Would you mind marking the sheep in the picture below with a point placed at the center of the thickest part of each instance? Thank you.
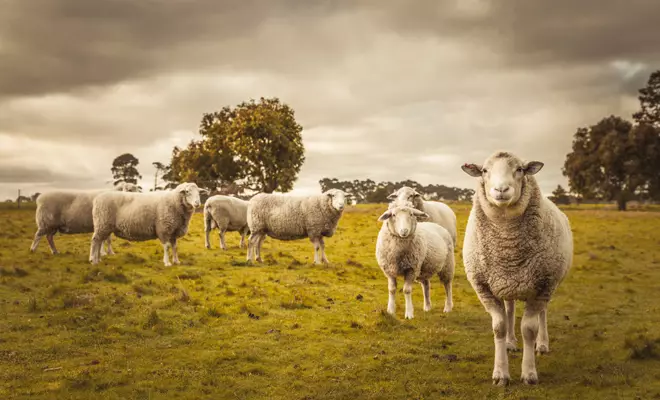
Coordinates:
(286, 217)
(410, 247)
(227, 214)
(155, 215)
(518, 246)
(69, 212)
(438, 212)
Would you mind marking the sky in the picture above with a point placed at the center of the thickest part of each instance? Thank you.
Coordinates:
(387, 90)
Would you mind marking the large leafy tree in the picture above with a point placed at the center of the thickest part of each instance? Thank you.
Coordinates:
(124, 169)
(608, 161)
(258, 144)
(649, 99)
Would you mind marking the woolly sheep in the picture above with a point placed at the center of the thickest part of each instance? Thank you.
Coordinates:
(438, 212)
(416, 251)
(518, 246)
(139, 217)
(286, 217)
(69, 212)
(228, 214)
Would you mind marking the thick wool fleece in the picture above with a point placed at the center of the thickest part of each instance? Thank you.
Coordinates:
(228, 214)
(292, 217)
(141, 216)
(517, 253)
(426, 252)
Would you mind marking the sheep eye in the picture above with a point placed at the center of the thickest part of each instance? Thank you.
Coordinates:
(484, 170)
(519, 169)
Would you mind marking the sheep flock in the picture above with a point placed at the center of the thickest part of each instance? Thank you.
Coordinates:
(518, 245)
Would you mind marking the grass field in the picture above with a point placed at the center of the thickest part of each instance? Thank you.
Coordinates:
(214, 327)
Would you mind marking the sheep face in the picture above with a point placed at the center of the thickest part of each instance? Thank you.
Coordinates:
(406, 195)
(337, 198)
(189, 194)
(502, 176)
(402, 220)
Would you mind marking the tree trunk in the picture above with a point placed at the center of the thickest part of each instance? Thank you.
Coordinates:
(621, 203)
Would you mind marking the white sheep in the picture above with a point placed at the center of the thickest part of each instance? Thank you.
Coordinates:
(228, 214)
(69, 212)
(287, 217)
(438, 212)
(518, 246)
(139, 217)
(416, 251)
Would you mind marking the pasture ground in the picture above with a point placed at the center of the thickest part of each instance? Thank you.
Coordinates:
(217, 328)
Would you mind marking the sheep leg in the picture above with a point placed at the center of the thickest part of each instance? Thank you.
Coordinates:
(407, 293)
(449, 301)
(426, 288)
(495, 307)
(51, 243)
(244, 233)
(543, 341)
(37, 239)
(207, 242)
(262, 239)
(530, 329)
(223, 245)
(391, 288)
(317, 249)
(175, 252)
(511, 340)
(95, 248)
(323, 256)
(109, 244)
(250, 247)
(446, 276)
(166, 258)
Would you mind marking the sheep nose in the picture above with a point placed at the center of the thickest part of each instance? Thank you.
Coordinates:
(404, 232)
(502, 189)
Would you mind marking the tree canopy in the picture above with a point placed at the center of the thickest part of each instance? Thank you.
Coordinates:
(610, 160)
(649, 99)
(257, 145)
(124, 169)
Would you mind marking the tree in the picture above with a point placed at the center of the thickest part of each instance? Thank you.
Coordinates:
(124, 169)
(560, 196)
(649, 99)
(607, 161)
(160, 169)
(258, 144)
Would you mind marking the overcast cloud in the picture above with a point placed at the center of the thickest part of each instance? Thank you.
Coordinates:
(386, 90)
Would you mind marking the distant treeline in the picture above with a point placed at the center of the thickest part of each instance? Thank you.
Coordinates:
(368, 191)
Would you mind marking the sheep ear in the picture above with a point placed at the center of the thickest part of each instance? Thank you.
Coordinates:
(392, 196)
(473, 170)
(420, 215)
(416, 194)
(385, 216)
(533, 167)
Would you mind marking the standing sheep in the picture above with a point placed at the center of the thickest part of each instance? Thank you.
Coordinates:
(69, 212)
(416, 251)
(518, 246)
(438, 212)
(228, 214)
(156, 215)
(286, 217)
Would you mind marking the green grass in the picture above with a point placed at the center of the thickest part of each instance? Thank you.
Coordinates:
(215, 327)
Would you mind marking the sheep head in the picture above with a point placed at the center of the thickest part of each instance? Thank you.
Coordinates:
(337, 198)
(502, 177)
(189, 193)
(402, 220)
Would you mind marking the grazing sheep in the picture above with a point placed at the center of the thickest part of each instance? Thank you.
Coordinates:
(438, 212)
(140, 217)
(228, 214)
(518, 246)
(286, 217)
(69, 212)
(416, 251)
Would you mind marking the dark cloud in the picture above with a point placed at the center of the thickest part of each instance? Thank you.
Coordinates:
(385, 89)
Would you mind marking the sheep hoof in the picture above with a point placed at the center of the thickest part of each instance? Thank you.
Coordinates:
(427, 308)
(177, 262)
(530, 378)
(448, 308)
(542, 348)
(511, 345)
(409, 316)
(500, 379)
(208, 246)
